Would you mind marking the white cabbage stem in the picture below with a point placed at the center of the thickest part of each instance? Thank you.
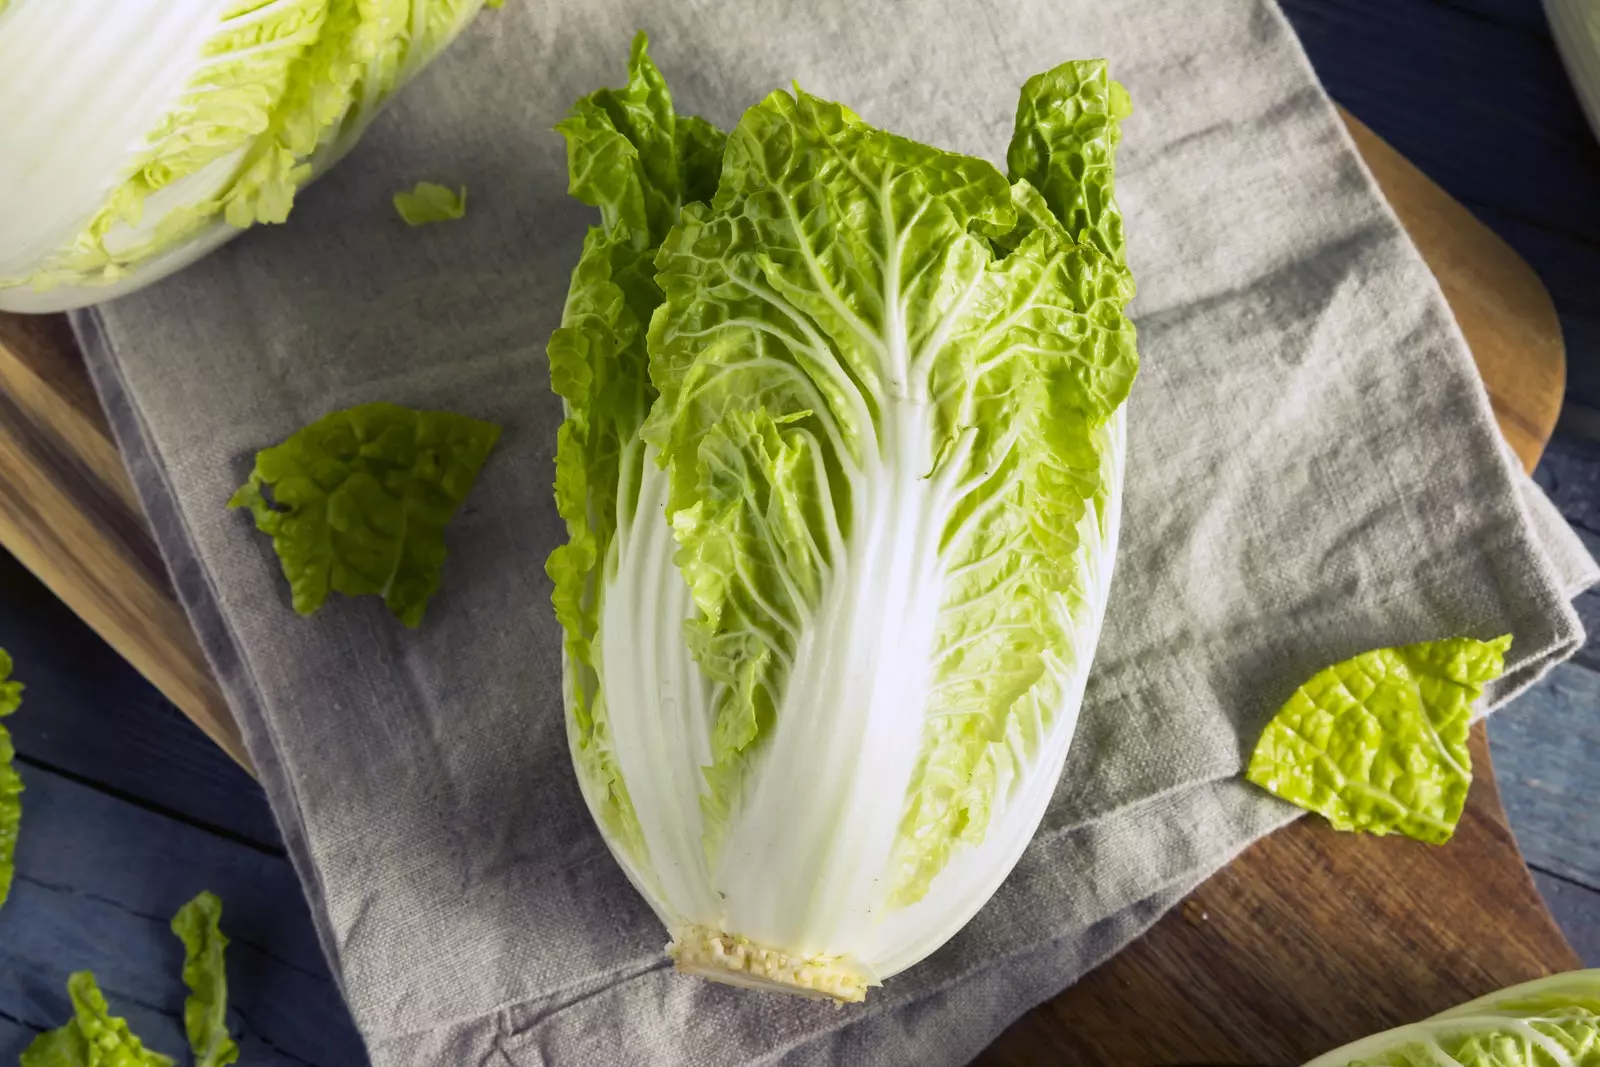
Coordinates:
(798, 895)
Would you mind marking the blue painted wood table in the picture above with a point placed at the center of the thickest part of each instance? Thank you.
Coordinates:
(131, 809)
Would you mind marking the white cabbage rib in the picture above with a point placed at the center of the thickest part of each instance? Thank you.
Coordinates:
(806, 864)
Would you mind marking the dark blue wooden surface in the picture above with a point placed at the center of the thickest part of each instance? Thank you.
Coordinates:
(130, 810)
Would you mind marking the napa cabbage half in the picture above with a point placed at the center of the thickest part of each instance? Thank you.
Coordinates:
(841, 469)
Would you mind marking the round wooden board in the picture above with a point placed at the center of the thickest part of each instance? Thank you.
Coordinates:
(1313, 938)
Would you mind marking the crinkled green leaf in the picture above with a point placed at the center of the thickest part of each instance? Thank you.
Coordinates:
(631, 155)
(1378, 743)
(205, 1010)
(859, 291)
(882, 423)
(1550, 1022)
(428, 202)
(359, 501)
(10, 780)
(1065, 145)
(93, 1038)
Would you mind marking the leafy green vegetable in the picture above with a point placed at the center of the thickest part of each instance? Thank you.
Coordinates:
(426, 202)
(626, 148)
(96, 1038)
(1378, 743)
(239, 104)
(841, 482)
(205, 1011)
(1552, 1022)
(10, 780)
(360, 499)
(92, 1038)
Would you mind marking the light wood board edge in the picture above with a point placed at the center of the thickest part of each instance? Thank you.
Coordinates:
(69, 513)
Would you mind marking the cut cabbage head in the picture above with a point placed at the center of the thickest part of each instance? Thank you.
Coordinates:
(841, 469)
(140, 135)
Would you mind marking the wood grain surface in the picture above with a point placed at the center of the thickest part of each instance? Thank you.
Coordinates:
(1309, 940)
(69, 513)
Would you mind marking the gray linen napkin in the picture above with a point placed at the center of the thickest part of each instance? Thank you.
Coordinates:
(1314, 471)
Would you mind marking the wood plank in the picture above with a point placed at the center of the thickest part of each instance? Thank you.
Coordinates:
(1453, 92)
(1452, 84)
(98, 881)
(1493, 16)
(1312, 939)
(1547, 746)
(1569, 473)
(69, 513)
(1309, 940)
(1568, 264)
(1577, 912)
(89, 714)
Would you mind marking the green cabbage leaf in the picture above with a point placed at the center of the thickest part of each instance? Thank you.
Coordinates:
(1378, 743)
(357, 502)
(10, 780)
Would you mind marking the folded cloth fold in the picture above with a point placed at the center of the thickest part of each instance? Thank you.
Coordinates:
(1314, 471)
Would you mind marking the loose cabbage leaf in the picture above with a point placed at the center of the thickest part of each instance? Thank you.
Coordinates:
(10, 780)
(428, 202)
(205, 1010)
(360, 499)
(92, 1038)
(1378, 743)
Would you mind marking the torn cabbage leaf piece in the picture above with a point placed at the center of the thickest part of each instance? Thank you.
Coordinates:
(198, 925)
(93, 1036)
(1378, 743)
(428, 202)
(841, 470)
(141, 134)
(10, 780)
(357, 502)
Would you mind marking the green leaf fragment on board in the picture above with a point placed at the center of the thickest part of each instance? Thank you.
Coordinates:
(205, 1011)
(428, 202)
(359, 501)
(10, 780)
(1378, 743)
(92, 1038)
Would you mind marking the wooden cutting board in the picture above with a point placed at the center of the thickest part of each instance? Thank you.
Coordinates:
(1308, 940)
